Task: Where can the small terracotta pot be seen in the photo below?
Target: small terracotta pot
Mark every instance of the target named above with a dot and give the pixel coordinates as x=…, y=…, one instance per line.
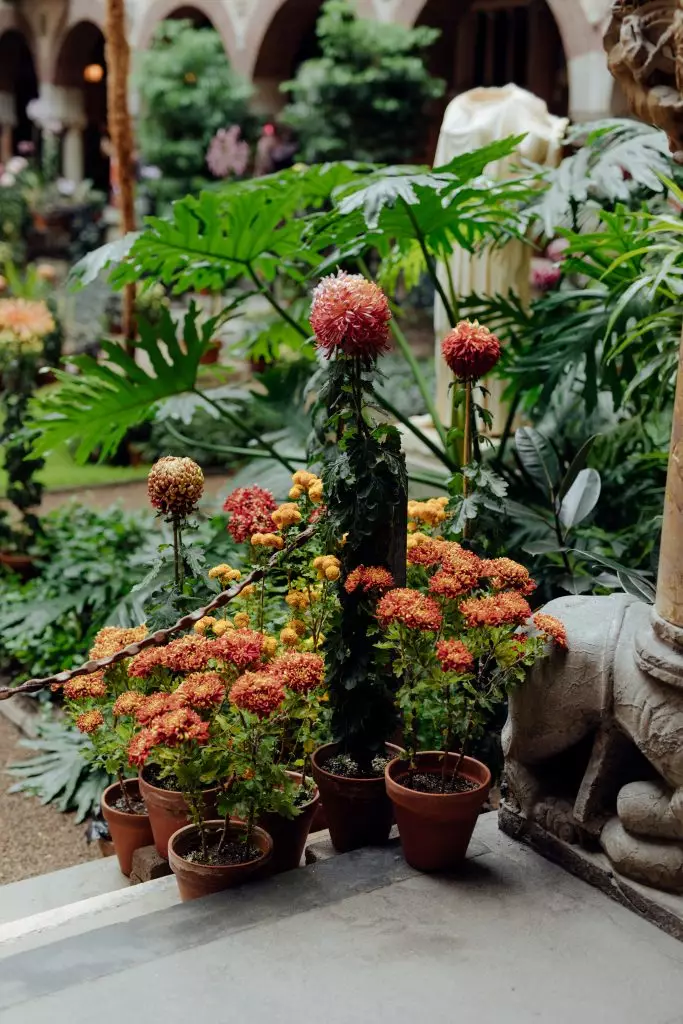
x=358, y=811
x=436, y=828
x=23, y=565
x=196, y=880
x=212, y=353
x=168, y=811
x=128, y=831
x=289, y=835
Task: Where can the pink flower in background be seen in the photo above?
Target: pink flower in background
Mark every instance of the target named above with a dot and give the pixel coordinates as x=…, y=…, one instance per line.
x=227, y=153
x=26, y=148
x=545, y=275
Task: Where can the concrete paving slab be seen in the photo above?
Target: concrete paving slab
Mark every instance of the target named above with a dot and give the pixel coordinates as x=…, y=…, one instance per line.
x=511, y=939
x=58, y=888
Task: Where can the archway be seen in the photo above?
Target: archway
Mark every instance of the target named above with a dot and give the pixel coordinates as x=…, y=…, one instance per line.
x=81, y=72
x=18, y=86
x=289, y=40
x=203, y=13
x=493, y=43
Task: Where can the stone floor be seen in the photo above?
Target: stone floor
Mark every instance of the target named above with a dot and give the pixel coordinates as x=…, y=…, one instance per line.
x=511, y=939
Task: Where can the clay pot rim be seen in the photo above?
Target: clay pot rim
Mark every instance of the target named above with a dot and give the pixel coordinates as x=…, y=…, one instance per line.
x=162, y=789
x=393, y=765
x=347, y=778
x=217, y=825
x=116, y=810
x=316, y=792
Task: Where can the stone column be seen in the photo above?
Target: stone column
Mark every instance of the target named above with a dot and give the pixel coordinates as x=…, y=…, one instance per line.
x=669, y=603
x=8, y=121
x=591, y=87
x=73, y=155
x=55, y=110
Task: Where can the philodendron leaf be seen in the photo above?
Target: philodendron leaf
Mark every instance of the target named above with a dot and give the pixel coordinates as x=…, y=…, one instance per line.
x=581, y=498
x=538, y=457
x=578, y=463
x=633, y=582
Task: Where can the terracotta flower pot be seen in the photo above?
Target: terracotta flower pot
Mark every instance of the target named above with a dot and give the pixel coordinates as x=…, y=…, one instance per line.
x=168, y=811
x=436, y=828
x=128, y=831
x=289, y=835
x=23, y=565
x=212, y=353
x=196, y=880
x=358, y=811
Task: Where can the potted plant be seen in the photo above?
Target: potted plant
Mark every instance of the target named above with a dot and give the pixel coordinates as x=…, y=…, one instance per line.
x=365, y=489
x=458, y=641
x=102, y=705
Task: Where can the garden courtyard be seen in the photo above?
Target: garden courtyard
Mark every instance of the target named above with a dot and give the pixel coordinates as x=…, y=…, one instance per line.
x=341, y=547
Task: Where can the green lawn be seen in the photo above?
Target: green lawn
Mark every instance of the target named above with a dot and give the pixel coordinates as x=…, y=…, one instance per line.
x=61, y=473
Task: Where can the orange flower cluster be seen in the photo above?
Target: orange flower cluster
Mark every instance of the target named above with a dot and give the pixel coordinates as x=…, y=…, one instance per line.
x=187, y=654
x=143, y=664
x=241, y=647
x=250, y=509
x=267, y=540
x=551, y=627
x=505, y=609
x=411, y=608
x=470, y=350
x=300, y=672
x=81, y=687
x=431, y=512
x=427, y=552
x=257, y=692
x=202, y=690
x=328, y=567
x=26, y=321
x=368, y=578
x=170, y=729
x=454, y=656
x=308, y=483
x=505, y=574
x=127, y=703
x=286, y=515
x=460, y=572
x=350, y=314
x=113, y=638
x=89, y=721
x=449, y=584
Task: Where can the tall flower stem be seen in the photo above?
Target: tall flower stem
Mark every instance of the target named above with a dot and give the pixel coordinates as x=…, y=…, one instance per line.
x=178, y=561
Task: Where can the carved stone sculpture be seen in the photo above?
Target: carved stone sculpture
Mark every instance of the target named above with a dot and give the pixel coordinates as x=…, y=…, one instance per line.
x=644, y=43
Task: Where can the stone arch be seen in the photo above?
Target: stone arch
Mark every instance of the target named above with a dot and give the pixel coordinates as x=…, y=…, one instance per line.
x=215, y=13
x=83, y=103
x=283, y=38
x=18, y=87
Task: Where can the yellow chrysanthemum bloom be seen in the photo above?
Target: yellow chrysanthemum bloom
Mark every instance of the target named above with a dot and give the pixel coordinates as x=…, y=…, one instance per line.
x=298, y=626
x=270, y=647
x=222, y=626
x=289, y=637
x=297, y=599
x=206, y=622
x=315, y=493
x=302, y=478
x=296, y=492
x=241, y=620
x=247, y=591
x=267, y=540
x=286, y=515
x=224, y=574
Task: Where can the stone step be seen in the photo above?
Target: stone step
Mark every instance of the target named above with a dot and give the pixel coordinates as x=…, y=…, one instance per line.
x=58, y=888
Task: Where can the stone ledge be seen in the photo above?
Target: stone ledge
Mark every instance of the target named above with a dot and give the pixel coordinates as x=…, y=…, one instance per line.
x=660, y=908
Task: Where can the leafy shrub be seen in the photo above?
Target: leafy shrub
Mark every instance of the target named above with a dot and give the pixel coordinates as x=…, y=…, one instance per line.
x=365, y=97
x=87, y=564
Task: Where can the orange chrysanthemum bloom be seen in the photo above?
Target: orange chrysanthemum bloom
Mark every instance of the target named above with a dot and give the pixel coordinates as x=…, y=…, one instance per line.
x=257, y=692
x=506, y=574
x=350, y=314
x=202, y=690
x=457, y=559
x=300, y=672
x=450, y=584
x=157, y=704
x=241, y=647
x=285, y=515
x=551, y=627
x=506, y=609
x=189, y=653
x=92, y=685
x=25, y=320
x=142, y=665
x=89, y=721
x=427, y=552
x=175, y=485
x=180, y=726
x=470, y=350
x=454, y=656
x=410, y=607
x=368, y=578
x=140, y=747
x=127, y=703
x=112, y=639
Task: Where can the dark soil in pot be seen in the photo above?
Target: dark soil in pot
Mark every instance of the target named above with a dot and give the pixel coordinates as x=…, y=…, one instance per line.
x=436, y=827
x=289, y=835
x=229, y=869
x=129, y=831
x=357, y=808
x=167, y=808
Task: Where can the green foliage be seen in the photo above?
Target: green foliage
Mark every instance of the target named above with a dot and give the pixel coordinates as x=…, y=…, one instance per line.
x=59, y=771
x=86, y=565
x=188, y=91
x=366, y=95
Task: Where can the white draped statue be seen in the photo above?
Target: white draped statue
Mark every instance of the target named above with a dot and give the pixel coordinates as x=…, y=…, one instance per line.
x=474, y=119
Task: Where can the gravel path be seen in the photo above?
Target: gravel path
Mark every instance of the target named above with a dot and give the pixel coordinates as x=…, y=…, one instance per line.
x=33, y=839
